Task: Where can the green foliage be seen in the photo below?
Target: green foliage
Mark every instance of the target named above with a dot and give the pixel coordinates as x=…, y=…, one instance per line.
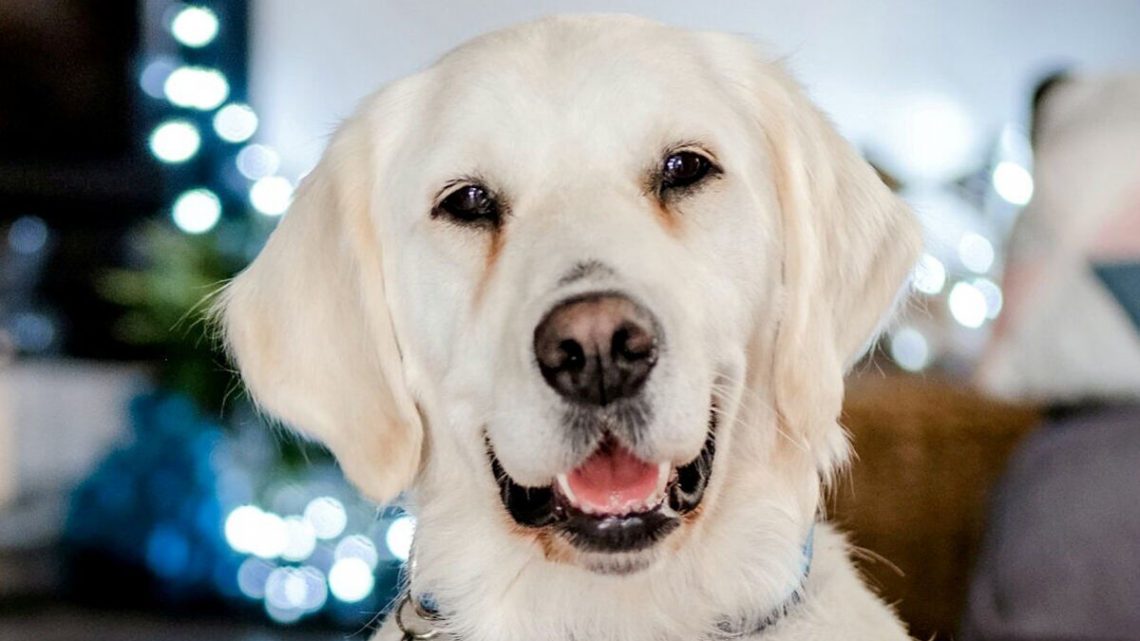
x=166, y=301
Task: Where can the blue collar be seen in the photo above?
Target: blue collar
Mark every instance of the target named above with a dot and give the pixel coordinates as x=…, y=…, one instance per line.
x=427, y=609
x=749, y=626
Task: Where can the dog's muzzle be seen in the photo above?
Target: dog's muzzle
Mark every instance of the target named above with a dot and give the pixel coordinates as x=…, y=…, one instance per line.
x=597, y=351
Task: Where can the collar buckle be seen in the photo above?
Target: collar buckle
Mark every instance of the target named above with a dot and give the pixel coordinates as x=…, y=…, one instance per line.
x=422, y=629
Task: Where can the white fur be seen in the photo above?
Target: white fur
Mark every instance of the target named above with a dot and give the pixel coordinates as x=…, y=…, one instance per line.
x=401, y=340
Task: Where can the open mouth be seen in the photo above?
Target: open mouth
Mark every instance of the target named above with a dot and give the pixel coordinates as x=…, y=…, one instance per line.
x=612, y=501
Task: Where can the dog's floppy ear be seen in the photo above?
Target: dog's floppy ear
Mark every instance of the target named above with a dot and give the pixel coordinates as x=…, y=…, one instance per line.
x=849, y=244
x=308, y=322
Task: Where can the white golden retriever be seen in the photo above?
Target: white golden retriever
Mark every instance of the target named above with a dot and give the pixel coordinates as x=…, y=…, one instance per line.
x=585, y=292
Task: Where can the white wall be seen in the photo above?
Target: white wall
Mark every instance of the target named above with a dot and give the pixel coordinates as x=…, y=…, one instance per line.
x=313, y=60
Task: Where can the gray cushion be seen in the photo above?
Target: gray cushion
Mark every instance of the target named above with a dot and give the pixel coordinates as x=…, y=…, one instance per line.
x=1061, y=558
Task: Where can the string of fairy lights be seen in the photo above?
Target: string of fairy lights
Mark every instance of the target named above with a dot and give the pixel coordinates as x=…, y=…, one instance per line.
x=205, y=127
x=304, y=550
x=967, y=212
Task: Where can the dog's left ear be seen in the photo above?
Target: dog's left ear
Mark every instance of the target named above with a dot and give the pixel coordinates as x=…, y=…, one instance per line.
x=848, y=244
x=309, y=325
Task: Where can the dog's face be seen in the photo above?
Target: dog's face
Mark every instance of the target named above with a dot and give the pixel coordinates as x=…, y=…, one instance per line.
x=582, y=262
x=586, y=283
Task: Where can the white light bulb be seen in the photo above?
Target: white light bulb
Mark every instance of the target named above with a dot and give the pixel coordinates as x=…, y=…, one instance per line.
x=241, y=528
x=175, y=141
x=271, y=195
x=399, y=537
x=967, y=305
x=194, y=26
x=351, y=580
x=271, y=538
x=300, y=539
x=929, y=275
x=235, y=122
x=196, y=87
x=1013, y=183
x=197, y=211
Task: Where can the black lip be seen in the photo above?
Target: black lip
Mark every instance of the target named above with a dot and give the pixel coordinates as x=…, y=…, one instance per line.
x=627, y=533
x=538, y=507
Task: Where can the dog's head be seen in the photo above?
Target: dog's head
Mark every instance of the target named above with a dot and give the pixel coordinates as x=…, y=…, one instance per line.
x=587, y=286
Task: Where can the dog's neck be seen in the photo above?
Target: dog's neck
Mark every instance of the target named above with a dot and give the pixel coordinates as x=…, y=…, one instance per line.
x=742, y=570
x=418, y=615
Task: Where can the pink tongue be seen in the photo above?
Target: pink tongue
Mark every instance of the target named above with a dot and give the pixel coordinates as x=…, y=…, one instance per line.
x=612, y=479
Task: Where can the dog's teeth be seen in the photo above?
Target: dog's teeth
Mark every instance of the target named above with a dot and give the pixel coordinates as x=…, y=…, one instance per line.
x=664, y=470
x=564, y=486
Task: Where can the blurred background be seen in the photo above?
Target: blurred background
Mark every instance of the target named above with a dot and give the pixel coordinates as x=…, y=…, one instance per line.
x=148, y=147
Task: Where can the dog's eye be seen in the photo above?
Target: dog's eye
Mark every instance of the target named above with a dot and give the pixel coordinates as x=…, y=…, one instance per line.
x=682, y=169
x=470, y=205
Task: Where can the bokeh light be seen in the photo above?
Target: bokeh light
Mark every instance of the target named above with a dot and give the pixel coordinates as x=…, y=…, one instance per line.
x=1013, y=183
x=910, y=349
x=257, y=161
x=241, y=528
x=929, y=137
x=235, y=122
x=194, y=26
x=300, y=539
x=197, y=211
x=252, y=576
x=929, y=275
x=399, y=536
x=992, y=293
x=175, y=141
x=976, y=252
x=327, y=516
x=27, y=235
x=967, y=305
x=351, y=580
x=250, y=530
x=154, y=75
x=271, y=538
x=196, y=87
x=357, y=546
x=32, y=331
x=271, y=195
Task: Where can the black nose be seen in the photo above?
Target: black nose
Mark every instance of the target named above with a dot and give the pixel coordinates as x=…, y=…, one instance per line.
x=596, y=349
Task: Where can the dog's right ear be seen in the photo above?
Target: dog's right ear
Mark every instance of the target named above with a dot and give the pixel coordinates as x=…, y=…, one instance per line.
x=308, y=322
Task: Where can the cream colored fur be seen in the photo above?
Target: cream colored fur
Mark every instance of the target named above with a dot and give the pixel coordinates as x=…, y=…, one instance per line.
x=403, y=341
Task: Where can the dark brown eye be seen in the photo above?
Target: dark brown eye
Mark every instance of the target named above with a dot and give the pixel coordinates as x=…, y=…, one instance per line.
x=682, y=169
x=470, y=205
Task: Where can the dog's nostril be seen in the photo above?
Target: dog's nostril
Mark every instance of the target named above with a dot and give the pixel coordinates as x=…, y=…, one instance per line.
x=573, y=357
x=596, y=349
x=632, y=343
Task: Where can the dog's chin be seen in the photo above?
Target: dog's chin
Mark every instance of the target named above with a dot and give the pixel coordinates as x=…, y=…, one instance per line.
x=611, y=543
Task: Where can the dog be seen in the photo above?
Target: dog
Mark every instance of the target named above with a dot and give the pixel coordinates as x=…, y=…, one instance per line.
x=583, y=293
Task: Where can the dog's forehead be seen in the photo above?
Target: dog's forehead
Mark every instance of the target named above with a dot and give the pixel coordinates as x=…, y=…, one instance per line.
x=601, y=86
